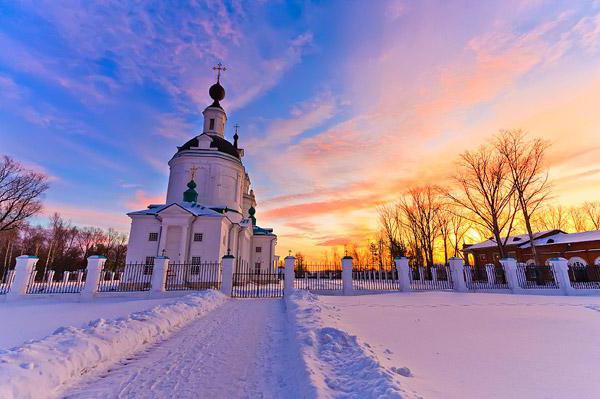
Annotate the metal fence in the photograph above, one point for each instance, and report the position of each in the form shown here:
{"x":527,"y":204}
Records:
{"x":193,"y":276}
{"x":318,"y":278}
{"x":52,"y":282}
{"x":255,"y":281}
{"x":536,"y":276}
{"x":126,"y":278}
{"x":375,"y":279}
{"x":433,"y":278}
{"x":584,"y":277}
{"x":6,"y":278}
{"x":477,"y":278}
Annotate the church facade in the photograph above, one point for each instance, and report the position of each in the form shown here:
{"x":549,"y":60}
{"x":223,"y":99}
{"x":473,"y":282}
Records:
{"x":210,"y":209}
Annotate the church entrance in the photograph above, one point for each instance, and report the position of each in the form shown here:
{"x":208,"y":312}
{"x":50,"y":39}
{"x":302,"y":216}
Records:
{"x":252,"y":281}
{"x":173,"y":244}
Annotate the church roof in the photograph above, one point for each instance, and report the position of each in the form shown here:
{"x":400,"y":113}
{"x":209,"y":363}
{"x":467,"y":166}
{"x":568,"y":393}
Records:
{"x":193,"y":208}
{"x":261,"y":231}
{"x":218,"y":142}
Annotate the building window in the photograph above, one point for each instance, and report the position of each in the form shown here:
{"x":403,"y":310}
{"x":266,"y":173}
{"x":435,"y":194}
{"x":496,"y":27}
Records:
{"x":212,"y":124}
{"x":257,"y":268}
{"x":258,"y":249}
{"x":195,"y":269}
{"x":153,"y":237}
{"x":198,"y":236}
{"x":149,"y":266}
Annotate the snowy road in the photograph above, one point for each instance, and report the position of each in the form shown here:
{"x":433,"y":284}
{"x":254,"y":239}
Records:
{"x":253,"y":360}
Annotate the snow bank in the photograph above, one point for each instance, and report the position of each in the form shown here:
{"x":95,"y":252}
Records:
{"x":338,"y":365}
{"x":40,"y":368}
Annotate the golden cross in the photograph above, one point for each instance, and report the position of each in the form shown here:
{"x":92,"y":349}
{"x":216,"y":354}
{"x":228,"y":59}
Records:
{"x":193,"y":170}
{"x":219,"y":68}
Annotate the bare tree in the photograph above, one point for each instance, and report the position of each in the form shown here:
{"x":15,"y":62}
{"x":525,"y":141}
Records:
{"x":421,"y":207}
{"x":592,"y":212}
{"x":487,"y":192}
{"x":578,"y":219}
{"x":20,"y":193}
{"x":551,"y":218}
{"x":525,"y":160}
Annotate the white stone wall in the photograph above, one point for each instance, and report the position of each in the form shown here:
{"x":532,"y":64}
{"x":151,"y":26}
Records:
{"x":209,"y":249}
{"x":139,"y":246}
{"x":266,"y":256}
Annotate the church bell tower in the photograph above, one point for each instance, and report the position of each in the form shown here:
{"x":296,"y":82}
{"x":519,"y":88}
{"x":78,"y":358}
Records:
{"x":214,"y":115}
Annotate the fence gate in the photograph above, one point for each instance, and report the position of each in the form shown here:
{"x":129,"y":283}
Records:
{"x":256,"y":281}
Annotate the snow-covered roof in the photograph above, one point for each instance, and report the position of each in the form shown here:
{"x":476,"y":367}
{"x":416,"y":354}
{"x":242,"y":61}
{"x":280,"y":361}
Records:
{"x":565,"y":238}
{"x":513,"y":240}
{"x":193,"y":208}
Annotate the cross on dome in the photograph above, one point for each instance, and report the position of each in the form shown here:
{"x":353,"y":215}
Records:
{"x":219,"y":67}
{"x":193,"y":170}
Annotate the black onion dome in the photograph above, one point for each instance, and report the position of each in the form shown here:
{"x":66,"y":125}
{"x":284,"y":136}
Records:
{"x":218,"y":142}
{"x":217,"y":92}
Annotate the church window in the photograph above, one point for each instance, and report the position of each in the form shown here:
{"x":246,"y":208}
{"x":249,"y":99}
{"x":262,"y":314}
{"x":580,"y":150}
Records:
{"x":148,"y":266}
{"x":258,"y":249}
{"x":212,"y":124}
{"x":153,"y":237}
{"x":196,"y":260}
{"x":198,"y":236}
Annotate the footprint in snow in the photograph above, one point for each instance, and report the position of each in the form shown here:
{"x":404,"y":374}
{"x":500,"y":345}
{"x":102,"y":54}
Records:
{"x":403,"y":371}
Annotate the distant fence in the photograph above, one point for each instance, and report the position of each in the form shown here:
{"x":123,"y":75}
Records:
{"x":536,"y":276}
{"x":193,"y":276}
{"x":52,"y":282}
{"x":126,"y":278}
{"x":488,"y":277}
{"x":434,"y":278}
{"x":375,"y":278}
{"x":319,"y":278}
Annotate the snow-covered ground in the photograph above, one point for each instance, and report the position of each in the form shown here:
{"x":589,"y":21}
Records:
{"x":476,"y":345}
{"x":240,"y":350}
{"x":36,"y":318}
{"x":40,"y":369}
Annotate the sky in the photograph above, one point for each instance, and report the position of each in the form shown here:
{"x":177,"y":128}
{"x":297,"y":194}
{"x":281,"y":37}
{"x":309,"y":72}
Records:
{"x":342,"y":105}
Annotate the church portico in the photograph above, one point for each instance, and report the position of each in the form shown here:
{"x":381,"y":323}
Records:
{"x":210,"y":206}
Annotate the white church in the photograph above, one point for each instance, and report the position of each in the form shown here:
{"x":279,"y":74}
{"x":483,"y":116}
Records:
{"x":210,"y":209}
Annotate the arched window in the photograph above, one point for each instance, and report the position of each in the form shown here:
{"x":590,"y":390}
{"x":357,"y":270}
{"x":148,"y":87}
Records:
{"x":597,"y":261}
{"x":530,"y":262}
{"x":577,"y":261}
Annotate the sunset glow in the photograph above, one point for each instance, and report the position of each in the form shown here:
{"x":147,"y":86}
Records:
{"x":342,"y":106}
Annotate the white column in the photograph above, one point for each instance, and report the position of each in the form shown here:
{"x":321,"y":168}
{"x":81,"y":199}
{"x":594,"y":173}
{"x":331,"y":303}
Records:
{"x":403,"y":273}
{"x":159,"y":274}
{"x":510,"y":271}
{"x":490,"y":270}
{"x":347,"y":275}
{"x":227,"y":277}
{"x":561,"y":271}
{"x":23,"y":273}
{"x":289,"y":275}
{"x":95,"y":263}
{"x":457,"y":270}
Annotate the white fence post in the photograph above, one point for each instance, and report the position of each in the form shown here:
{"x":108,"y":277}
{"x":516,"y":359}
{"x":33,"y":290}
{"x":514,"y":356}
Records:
{"x":289,"y":275}
{"x":66,"y":276}
{"x":95,"y":263}
{"x":159,"y":274}
{"x":458,"y":275}
{"x":23,"y":273}
{"x":228,"y":263}
{"x":347,"y":275}
{"x":403,"y":273}
{"x":561,"y":271}
{"x":510,"y":272}
{"x":490,"y":270}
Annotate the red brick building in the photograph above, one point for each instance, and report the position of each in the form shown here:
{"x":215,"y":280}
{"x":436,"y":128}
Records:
{"x":578,"y":248}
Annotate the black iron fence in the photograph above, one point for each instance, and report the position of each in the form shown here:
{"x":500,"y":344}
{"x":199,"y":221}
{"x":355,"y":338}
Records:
{"x":433,"y":278}
{"x":193,"y":276}
{"x":126,"y":278}
{"x":56,"y":282}
{"x":477,"y":278}
{"x":256,"y":281}
{"x":536,"y":276}
{"x":318,"y":278}
{"x":585,"y":277}
{"x":6,"y":278}
{"x":375,"y":279}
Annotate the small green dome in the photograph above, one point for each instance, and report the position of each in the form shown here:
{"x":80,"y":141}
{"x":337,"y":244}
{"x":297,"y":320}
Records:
{"x":252,"y":212}
{"x":190,"y":195}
